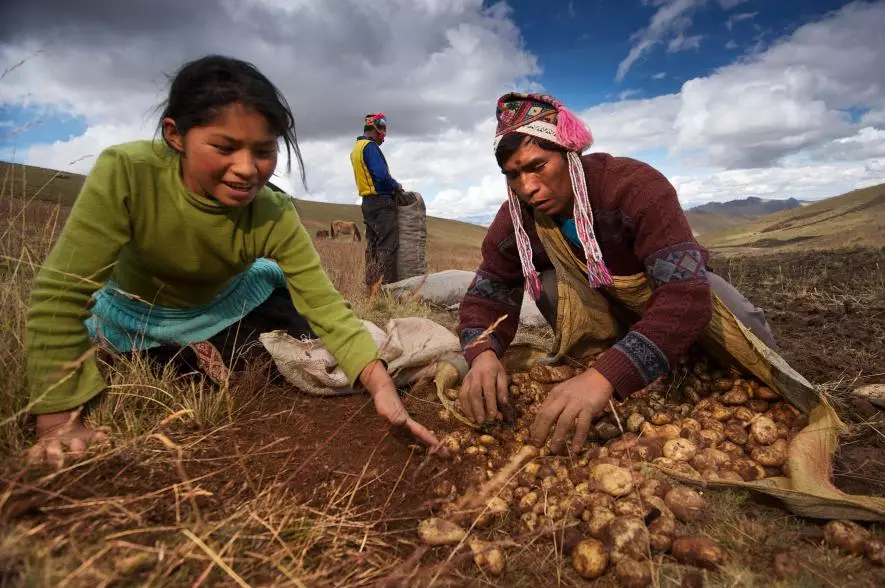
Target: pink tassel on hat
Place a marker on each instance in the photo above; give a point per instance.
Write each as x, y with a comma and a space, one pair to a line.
571, 132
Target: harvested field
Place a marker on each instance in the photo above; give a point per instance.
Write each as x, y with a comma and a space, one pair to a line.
256, 484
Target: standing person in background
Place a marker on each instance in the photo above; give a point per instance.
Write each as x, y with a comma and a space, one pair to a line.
378, 190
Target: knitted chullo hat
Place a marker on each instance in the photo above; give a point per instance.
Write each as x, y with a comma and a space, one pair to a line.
547, 118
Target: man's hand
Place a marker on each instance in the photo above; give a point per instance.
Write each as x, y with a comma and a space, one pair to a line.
388, 405
572, 403
484, 390
60, 432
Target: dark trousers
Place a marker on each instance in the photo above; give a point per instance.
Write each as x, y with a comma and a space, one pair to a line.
382, 239
237, 342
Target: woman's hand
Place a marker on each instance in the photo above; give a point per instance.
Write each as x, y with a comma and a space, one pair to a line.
572, 404
388, 404
62, 432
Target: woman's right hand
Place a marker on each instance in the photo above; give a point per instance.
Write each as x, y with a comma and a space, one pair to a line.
59, 433
484, 391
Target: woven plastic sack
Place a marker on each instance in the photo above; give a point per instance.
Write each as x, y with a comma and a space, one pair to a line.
412, 223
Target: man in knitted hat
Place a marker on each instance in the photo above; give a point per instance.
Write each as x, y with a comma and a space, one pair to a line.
377, 188
573, 229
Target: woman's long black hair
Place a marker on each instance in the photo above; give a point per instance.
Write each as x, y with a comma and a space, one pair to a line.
205, 86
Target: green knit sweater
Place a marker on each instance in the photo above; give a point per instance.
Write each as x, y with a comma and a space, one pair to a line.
136, 222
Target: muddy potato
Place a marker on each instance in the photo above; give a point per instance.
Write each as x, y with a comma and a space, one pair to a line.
451, 394
734, 451
622, 444
722, 384
729, 476
635, 422
649, 449
677, 466
519, 492
528, 502
735, 396
662, 418
875, 551
721, 413
444, 416
487, 558
627, 537
744, 414
611, 479
659, 543
654, 488
606, 430
529, 521
680, 449
711, 459
632, 574
573, 506
685, 503
590, 559
690, 425
698, 551
764, 430
736, 433
765, 393
487, 440
452, 444
748, 469
598, 520
847, 536
711, 438
774, 455
757, 405
670, 431
436, 531
600, 499
629, 508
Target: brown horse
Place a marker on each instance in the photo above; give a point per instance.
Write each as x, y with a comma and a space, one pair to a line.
323, 234
340, 227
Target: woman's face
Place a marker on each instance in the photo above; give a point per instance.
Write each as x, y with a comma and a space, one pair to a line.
540, 178
230, 159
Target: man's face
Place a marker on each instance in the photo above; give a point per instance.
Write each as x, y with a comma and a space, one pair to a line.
540, 178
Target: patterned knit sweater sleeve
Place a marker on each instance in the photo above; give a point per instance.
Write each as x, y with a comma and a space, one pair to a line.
496, 291
681, 305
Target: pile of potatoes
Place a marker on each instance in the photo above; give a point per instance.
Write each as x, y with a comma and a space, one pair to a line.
611, 510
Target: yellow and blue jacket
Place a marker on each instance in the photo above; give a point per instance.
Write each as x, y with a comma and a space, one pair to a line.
370, 169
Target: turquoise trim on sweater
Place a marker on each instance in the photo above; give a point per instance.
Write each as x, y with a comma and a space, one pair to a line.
127, 324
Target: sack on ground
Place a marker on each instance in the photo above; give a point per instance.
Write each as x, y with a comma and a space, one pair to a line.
411, 347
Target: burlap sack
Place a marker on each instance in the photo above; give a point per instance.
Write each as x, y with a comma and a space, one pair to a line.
411, 348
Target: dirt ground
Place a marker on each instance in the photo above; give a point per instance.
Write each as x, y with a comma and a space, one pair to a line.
332, 458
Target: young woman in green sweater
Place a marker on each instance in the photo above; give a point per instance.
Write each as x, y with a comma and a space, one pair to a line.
175, 240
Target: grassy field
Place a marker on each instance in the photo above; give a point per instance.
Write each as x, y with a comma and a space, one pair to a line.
856, 219
255, 484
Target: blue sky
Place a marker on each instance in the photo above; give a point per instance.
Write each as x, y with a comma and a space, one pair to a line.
728, 98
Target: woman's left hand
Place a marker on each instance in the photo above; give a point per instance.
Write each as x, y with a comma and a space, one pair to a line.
388, 404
